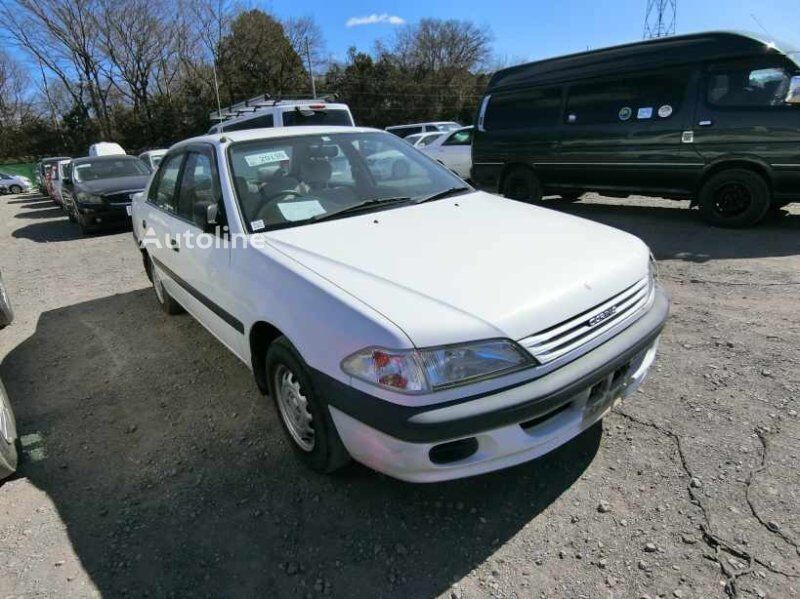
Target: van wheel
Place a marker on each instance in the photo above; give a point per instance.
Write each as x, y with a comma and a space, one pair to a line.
522, 184
303, 413
734, 198
169, 305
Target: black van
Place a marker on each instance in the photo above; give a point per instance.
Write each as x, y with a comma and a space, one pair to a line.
714, 117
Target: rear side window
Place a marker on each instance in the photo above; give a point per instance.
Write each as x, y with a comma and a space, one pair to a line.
747, 85
293, 118
653, 97
264, 120
162, 191
523, 109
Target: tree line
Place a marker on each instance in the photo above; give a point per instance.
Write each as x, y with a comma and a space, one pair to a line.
145, 73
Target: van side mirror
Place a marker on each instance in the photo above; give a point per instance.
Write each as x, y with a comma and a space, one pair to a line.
793, 97
205, 216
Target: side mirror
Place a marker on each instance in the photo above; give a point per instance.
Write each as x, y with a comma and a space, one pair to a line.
205, 216
793, 97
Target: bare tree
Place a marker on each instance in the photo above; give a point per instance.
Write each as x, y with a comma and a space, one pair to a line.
436, 46
302, 31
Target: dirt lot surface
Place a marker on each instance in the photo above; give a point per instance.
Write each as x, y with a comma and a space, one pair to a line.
153, 467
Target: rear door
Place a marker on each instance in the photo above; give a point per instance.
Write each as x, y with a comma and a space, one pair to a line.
742, 113
455, 152
626, 133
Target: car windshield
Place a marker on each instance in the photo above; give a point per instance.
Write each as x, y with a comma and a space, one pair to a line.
296, 117
284, 182
109, 169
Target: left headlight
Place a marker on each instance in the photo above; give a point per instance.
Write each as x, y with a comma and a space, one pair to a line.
89, 198
436, 368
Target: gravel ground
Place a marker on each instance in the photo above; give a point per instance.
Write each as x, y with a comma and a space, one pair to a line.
153, 467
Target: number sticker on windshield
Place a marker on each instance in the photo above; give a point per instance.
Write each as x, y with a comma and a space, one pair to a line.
266, 158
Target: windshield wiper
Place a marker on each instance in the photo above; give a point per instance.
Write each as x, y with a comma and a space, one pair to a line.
442, 194
371, 203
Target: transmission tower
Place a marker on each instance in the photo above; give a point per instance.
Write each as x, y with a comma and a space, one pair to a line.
659, 21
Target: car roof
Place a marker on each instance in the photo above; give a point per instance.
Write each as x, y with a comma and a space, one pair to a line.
290, 104
627, 58
272, 132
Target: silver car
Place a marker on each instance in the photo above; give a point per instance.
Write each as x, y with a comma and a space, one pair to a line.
8, 426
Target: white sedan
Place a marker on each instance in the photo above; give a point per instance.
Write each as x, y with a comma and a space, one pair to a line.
409, 322
454, 150
15, 183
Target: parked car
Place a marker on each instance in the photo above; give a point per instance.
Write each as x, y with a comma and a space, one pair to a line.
15, 183
8, 426
421, 327
49, 173
412, 129
97, 191
106, 148
260, 112
58, 171
420, 140
152, 158
453, 150
42, 166
711, 117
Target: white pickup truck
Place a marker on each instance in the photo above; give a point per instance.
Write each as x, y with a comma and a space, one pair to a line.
397, 316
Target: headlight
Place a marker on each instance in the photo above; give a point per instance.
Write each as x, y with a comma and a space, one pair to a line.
89, 198
432, 369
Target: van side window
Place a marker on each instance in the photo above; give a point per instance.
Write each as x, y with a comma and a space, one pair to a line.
629, 99
522, 109
747, 85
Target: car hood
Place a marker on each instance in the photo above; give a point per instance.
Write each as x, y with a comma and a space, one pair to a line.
104, 186
474, 266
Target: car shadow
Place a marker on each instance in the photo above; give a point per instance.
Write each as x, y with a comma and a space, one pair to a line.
677, 233
49, 231
37, 202
41, 212
173, 478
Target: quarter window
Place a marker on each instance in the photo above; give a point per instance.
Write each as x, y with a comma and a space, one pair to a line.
523, 109
162, 192
653, 97
747, 86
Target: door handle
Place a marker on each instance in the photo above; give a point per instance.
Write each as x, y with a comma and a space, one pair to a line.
173, 244
705, 123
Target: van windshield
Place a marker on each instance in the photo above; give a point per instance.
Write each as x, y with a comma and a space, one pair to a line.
294, 118
109, 169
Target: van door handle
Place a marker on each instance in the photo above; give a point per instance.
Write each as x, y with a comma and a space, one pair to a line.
173, 243
705, 123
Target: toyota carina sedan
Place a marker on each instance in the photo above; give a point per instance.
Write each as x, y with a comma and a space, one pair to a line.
397, 317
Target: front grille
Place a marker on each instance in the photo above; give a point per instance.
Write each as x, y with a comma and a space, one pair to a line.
559, 340
120, 197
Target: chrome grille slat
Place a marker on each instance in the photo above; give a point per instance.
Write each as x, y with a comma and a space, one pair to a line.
561, 339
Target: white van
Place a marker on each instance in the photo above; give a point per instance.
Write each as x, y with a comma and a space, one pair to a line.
258, 113
105, 148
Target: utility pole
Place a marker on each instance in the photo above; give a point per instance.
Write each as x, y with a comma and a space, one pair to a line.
311, 71
660, 18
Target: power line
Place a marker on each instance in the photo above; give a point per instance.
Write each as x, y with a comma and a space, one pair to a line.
660, 18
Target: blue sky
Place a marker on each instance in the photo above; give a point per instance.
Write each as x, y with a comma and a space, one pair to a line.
536, 29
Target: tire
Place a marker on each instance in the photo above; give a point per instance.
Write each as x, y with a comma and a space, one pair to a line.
734, 198
8, 436
522, 184
164, 299
15, 189
303, 413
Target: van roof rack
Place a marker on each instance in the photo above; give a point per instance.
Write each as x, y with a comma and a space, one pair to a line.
262, 101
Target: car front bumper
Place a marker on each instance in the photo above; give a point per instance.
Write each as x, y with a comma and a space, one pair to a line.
504, 428
104, 215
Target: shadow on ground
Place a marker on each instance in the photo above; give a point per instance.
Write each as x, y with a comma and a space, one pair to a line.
677, 233
173, 478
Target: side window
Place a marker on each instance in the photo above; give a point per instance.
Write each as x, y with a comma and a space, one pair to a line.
265, 120
459, 138
523, 109
747, 85
162, 191
198, 184
652, 97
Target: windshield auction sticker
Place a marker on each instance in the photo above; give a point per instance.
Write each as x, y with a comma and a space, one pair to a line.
266, 158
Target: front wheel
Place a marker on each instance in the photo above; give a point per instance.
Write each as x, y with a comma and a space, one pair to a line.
734, 198
304, 414
15, 189
8, 436
168, 305
521, 183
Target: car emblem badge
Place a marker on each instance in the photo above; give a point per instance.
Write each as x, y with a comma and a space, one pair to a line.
605, 314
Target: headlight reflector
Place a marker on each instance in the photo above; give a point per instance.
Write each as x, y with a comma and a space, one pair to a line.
432, 369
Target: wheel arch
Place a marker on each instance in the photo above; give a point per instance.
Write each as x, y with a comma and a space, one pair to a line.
507, 168
752, 164
262, 335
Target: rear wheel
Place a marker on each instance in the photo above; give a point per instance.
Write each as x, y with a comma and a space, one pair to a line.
734, 198
8, 436
521, 183
304, 414
169, 305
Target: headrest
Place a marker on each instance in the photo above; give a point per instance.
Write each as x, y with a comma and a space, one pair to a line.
316, 171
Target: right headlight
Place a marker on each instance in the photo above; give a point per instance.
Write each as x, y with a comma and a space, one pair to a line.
432, 369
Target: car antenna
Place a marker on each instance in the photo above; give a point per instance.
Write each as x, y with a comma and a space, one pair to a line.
216, 93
